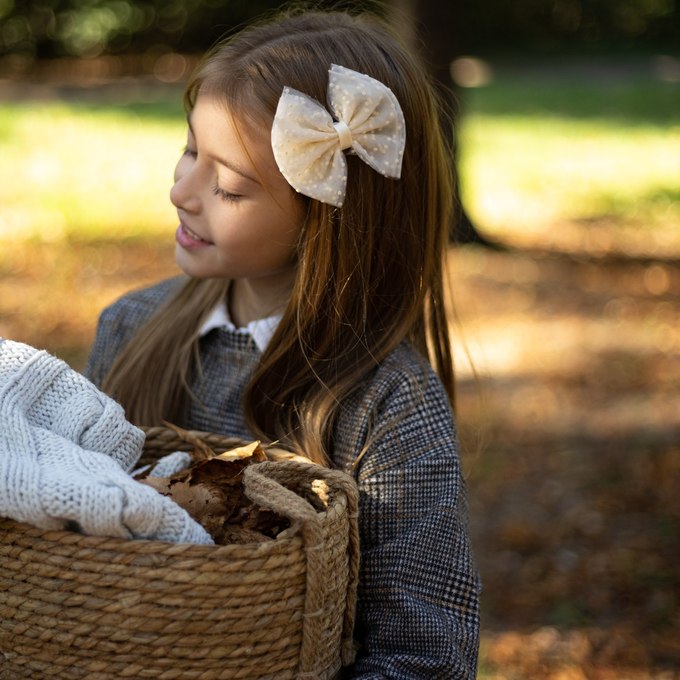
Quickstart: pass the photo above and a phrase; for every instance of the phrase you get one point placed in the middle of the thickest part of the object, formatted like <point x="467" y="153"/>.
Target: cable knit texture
<point x="66" y="450"/>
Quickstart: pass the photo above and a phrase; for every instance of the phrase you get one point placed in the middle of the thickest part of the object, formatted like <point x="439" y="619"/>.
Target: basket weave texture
<point x="74" y="606"/>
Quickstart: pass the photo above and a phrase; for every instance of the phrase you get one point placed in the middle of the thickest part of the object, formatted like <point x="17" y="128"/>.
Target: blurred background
<point x="564" y="267"/>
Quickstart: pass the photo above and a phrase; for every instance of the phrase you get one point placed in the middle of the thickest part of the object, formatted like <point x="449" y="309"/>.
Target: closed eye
<point x="225" y="195"/>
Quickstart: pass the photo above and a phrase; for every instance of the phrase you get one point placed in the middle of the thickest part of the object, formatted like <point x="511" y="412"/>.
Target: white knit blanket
<point x="66" y="450"/>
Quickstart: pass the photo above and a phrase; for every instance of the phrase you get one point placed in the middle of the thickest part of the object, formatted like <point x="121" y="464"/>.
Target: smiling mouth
<point x="193" y="234"/>
<point x="188" y="239"/>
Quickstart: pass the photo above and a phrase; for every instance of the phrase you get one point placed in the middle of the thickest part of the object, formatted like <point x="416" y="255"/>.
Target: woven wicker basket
<point x="74" y="606"/>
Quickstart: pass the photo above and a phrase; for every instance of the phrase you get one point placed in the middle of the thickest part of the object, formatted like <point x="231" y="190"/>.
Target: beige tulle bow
<point x="308" y="143"/>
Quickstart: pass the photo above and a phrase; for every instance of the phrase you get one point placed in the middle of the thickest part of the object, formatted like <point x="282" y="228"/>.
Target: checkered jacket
<point x="418" y="611"/>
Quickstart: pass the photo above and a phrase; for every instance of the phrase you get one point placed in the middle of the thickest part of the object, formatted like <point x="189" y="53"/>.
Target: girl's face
<point x="239" y="218"/>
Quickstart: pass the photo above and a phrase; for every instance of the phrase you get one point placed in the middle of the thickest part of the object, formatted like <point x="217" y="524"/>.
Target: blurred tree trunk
<point x="432" y="28"/>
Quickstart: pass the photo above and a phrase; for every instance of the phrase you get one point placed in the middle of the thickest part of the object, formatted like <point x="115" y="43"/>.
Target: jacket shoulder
<point x="120" y="321"/>
<point x="139" y="304"/>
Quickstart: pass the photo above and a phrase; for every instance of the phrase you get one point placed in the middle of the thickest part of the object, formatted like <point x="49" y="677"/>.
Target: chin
<point x="189" y="265"/>
<point x="197" y="272"/>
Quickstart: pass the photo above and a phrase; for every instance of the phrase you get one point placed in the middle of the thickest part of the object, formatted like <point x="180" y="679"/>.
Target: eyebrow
<point x="234" y="167"/>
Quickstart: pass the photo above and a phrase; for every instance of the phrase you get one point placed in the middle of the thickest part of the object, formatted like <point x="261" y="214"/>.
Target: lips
<point x="189" y="239"/>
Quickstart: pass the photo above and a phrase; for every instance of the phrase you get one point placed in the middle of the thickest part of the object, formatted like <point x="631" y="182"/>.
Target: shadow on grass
<point x="625" y="90"/>
<point x="144" y="98"/>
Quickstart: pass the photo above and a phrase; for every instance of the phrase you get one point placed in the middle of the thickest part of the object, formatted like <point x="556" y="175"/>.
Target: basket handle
<point x="165" y="440"/>
<point x="263" y="485"/>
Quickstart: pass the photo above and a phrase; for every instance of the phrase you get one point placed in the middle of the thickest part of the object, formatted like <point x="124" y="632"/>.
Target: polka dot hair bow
<point x="308" y="142"/>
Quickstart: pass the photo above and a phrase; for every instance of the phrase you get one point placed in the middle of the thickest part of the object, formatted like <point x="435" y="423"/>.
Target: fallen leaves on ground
<point x="572" y="435"/>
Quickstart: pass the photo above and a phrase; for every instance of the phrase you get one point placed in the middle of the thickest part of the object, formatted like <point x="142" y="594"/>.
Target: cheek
<point x="267" y="243"/>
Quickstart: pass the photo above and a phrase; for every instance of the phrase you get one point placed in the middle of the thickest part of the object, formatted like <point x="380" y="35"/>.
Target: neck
<point x="252" y="299"/>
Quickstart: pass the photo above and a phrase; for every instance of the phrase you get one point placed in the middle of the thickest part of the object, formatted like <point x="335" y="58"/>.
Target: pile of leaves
<point x="211" y="490"/>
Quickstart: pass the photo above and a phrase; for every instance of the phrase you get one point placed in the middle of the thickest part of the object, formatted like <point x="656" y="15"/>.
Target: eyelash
<point x="217" y="190"/>
<point x="225" y="195"/>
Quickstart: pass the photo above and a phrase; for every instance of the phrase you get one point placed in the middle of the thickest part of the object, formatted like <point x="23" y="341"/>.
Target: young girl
<point x="313" y="198"/>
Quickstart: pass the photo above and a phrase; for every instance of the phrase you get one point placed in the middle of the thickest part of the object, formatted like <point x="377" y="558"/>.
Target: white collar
<point x="261" y="330"/>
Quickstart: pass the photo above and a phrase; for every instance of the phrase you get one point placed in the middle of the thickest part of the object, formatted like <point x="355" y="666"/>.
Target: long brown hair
<point x="369" y="275"/>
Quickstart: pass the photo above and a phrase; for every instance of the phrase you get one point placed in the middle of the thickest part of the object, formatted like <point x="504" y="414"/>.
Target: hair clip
<point x="309" y="142"/>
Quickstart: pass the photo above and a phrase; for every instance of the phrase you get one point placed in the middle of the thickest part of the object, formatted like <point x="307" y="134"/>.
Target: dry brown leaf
<point x="208" y="504"/>
<point x="253" y="449"/>
<point x="211" y="491"/>
<point x="161" y="484"/>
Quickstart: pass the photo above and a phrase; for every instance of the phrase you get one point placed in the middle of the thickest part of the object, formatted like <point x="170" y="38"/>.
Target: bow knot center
<point x="344" y="133"/>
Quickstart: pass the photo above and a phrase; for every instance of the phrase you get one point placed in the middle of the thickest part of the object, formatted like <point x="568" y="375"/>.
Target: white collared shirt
<point x="261" y="330"/>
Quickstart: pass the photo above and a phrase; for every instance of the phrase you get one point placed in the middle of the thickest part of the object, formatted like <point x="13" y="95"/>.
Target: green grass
<point x="541" y="168"/>
<point x="542" y="151"/>
<point x="630" y="102"/>
<point x="86" y="171"/>
<point x="535" y="151"/>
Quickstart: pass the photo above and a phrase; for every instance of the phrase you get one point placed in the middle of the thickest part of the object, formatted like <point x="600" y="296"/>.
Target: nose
<point x="182" y="193"/>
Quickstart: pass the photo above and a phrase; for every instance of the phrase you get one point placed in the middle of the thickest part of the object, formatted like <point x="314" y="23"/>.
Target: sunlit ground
<point x="569" y="394"/>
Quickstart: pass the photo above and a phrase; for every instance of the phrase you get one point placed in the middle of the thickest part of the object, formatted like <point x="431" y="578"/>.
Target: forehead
<point x="221" y="132"/>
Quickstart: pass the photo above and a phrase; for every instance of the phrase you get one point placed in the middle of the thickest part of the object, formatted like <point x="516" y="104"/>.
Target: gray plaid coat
<point x="418" y="611"/>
